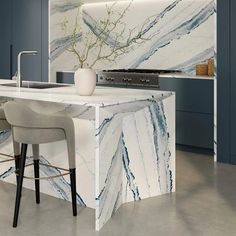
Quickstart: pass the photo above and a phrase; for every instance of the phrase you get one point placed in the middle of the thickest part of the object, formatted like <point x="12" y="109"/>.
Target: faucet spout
<point x="18" y="78"/>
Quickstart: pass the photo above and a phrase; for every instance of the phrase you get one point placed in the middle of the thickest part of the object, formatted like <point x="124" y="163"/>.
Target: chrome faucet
<point x="18" y="73"/>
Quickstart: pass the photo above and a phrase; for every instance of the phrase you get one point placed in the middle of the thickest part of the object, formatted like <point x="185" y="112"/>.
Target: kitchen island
<point x="125" y="145"/>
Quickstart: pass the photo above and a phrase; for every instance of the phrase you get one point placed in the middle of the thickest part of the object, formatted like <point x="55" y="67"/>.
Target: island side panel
<point x="108" y="165"/>
<point x="135" y="153"/>
<point x="109" y="157"/>
<point x="149" y="151"/>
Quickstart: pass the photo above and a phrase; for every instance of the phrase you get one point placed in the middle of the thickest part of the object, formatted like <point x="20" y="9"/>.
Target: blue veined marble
<point x="107" y="37"/>
<point x="199" y="14"/>
<point x="4" y="135"/>
<point x="63" y="6"/>
<point x="189" y="65"/>
<point x="59" y="46"/>
<point x="129" y="175"/>
<point x="110" y="39"/>
<point x="110" y="185"/>
<point x="105" y="123"/>
<point x="185" y="28"/>
<point x="155" y="115"/>
<point x="126" y="171"/>
<point x="117" y="149"/>
<point x="161" y="138"/>
<point x="60" y="185"/>
<point x="7" y="173"/>
<point x="118" y="200"/>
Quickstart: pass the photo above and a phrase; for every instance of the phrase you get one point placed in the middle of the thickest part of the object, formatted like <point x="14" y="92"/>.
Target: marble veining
<point x="143" y="136"/>
<point x="171" y="34"/>
<point x="125" y="146"/>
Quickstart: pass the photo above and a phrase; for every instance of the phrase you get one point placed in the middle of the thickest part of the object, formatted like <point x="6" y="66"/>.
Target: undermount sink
<point x="36" y="85"/>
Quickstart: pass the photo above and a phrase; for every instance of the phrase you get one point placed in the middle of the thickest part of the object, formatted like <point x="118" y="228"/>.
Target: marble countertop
<point x="103" y="96"/>
<point x="181" y="75"/>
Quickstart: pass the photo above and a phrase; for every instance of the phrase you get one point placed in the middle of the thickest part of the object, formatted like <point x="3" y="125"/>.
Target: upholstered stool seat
<point x="31" y="127"/>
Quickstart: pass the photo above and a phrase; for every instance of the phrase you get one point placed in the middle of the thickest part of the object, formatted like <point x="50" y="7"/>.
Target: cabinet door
<point x="224" y="28"/>
<point x="5" y="38"/>
<point x="194" y="129"/>
<point x="233" y="82"/>
<point x="27" y="35"/>
<point x="194" y="105"/>
<point x="45" y="40"/>
<point x="193" y="95"/>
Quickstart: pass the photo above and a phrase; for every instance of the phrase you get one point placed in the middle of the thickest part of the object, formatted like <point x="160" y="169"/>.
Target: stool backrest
<point x="19" y="115"/>
<point x="27" y="123"/>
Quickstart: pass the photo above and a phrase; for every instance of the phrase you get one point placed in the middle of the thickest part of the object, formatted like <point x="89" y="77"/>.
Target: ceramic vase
<point x="85" y="81"/>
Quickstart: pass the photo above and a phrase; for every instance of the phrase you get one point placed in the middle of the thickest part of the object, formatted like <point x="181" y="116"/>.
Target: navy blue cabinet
<point x="45" y="40"/>
<point x="26" y="35"/>
<point x="194" y="129"/>
<point x="194" y="110"/>
<point x="5" y="38"/>
<point x="226" y="81"/>
<point x="233" y="82"/>
<point x="25" y="24"/>
<point x="65" y="77"/>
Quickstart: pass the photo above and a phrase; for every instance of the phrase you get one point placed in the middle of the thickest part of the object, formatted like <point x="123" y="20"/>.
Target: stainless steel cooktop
<point x="133" y="78"/>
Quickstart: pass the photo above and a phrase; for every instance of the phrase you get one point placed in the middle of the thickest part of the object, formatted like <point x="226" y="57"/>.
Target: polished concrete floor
<point x="204" y="204"/>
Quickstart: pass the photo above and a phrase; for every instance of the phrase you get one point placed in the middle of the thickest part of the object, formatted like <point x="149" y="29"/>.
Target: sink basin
<point x="36" y="85"/>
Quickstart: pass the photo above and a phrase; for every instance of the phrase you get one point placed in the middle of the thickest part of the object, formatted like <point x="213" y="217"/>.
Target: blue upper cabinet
<point x="45" y="40"/>
<point x="5" y="38"/>
<point x="26" y="35"/>
<point x="25" y="27"/>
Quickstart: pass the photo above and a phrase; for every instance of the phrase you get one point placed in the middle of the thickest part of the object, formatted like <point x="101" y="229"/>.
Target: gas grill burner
<point x="131" y="78"/>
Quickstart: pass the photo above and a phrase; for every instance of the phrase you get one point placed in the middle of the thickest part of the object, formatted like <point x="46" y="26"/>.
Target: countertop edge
<point x="185" y="76"/>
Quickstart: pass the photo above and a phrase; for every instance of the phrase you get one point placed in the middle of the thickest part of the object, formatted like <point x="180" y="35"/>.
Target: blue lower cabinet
<point x="65" y="77"/>
<point x="194" y="129"/>
<point x="195" y="110"/>
<point x="194" y="95"/>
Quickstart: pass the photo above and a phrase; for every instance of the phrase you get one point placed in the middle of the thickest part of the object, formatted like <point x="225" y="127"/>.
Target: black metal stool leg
<point x="20" y="182"/>
<point x="17" y="160"/>
<point x="73" y="190"/>
<point x="36" y="175"/>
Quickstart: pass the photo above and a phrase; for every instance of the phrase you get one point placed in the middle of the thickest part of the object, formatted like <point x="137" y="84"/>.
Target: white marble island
<point x="125" y="145"/>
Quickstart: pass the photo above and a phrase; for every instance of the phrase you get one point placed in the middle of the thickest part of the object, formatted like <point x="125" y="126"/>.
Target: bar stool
<point x="31" y="127"/>
<point x="5" y="126"/>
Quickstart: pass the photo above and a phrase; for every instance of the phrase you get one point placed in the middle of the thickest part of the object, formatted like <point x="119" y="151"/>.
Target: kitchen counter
<point x="125" y="145"/>
<point x="181" y="75"/>
<point x="103" y="96"/>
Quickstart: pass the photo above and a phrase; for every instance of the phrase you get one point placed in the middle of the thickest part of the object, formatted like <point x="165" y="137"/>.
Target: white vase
<point x="85" y="81"/>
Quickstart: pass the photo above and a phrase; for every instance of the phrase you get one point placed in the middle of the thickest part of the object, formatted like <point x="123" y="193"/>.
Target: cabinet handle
<point x="11" y="61"/>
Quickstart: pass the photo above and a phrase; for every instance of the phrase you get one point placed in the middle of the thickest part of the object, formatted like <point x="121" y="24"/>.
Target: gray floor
<point x="204" y="204"/>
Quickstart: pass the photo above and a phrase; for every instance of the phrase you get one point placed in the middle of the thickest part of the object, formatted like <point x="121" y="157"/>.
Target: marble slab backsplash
<point x="150" y="34"/>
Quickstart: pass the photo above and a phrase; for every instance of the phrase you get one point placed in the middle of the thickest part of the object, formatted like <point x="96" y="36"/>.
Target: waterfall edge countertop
<point x="182" y="75"/>
<point x="67" y="95"/>
<point x="125" y="145"/>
